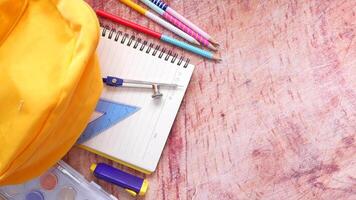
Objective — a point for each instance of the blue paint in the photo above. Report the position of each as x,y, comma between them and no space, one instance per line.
113,113
35,195
187,46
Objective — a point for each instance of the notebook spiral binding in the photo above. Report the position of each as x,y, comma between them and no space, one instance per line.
137,43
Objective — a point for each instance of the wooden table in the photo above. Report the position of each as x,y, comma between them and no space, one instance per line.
276,119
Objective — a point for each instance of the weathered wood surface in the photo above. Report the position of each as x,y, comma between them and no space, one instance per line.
276,119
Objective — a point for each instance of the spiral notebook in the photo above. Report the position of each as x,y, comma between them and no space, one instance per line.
138,140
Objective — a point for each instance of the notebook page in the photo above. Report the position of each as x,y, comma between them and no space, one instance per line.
140,138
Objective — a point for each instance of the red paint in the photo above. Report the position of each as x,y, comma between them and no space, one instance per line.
348,141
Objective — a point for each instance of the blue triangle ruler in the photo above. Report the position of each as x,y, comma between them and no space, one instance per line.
113,113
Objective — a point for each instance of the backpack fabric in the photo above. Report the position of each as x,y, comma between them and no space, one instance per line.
49,82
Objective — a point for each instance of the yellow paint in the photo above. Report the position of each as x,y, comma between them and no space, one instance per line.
115,159
135,6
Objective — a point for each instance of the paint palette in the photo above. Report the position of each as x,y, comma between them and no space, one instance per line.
59,183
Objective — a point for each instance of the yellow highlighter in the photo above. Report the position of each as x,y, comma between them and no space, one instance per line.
132,184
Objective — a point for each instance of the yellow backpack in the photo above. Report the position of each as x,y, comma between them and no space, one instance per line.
49,82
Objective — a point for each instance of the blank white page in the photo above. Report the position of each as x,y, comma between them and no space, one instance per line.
139,139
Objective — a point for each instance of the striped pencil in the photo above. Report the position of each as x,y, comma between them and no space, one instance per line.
169,10
160,21
160,36
179,24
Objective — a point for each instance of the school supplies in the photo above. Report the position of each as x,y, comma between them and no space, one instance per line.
110,113
60,182
160,36
169,10
118,82
138,140
160,21
132,184
179,24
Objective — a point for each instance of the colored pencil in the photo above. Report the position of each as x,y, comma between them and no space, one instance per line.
179,24
157,35
190,24
160,21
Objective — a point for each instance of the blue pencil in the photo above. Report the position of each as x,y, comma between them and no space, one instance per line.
165,38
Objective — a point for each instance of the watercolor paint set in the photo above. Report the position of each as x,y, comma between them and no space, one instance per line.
61,182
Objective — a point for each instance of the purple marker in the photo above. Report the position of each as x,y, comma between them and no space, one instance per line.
132,184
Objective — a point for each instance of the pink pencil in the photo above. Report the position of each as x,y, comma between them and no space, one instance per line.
179,24
175,14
